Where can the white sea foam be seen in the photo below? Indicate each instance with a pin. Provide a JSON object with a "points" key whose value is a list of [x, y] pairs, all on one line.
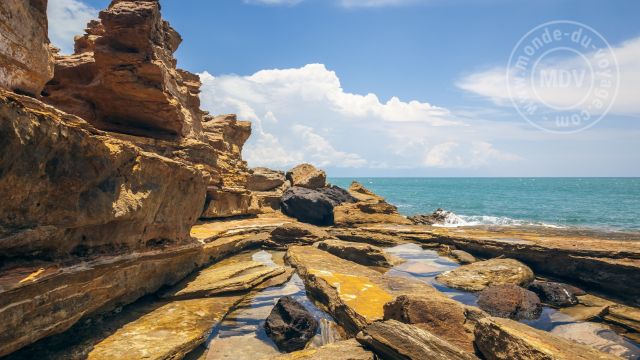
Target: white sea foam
{"points": [[454, 220]]}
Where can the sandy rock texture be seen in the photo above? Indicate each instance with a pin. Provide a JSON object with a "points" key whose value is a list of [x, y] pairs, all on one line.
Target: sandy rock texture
{"points": [[26, 59]]}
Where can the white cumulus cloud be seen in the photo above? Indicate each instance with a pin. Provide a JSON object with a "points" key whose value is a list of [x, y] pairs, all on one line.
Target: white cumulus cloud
{"points": [[492, 83], [304, 114], [68, 18]]}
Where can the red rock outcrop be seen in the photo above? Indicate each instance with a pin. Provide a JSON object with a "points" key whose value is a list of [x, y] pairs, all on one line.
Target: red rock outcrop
{"points": [[26, 62], [123, 77]]}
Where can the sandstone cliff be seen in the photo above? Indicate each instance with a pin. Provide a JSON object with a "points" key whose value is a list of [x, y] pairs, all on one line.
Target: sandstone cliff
{"points": [[26, 62], [103, 183]]}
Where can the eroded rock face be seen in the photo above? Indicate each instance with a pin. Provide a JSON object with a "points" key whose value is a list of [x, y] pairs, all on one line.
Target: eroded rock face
{"points": [[394, 340], [314, 206], [462, 257], [123, 75], [479, 275], [363, 254], [26, 60], [442, 317], [369, 208], [556, 294], [498, 338], [510, 301], [72, 190], [307, 176], [290, 325]]}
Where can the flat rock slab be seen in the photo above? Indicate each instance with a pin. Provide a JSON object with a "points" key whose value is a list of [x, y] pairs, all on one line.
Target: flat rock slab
{"points": [[168, 331], [224, 279], [341, 350], [479, 275], [395, 340], [498, 338], [353, 294], [360, 253]]}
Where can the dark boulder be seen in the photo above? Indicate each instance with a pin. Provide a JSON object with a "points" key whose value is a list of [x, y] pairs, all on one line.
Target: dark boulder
{"points": [[510, 301], [556, 294], [314, 206], [290, 325]]}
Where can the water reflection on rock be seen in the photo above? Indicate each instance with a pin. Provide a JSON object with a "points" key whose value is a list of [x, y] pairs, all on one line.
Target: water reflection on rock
{"points": [[241, 334], [427, 264]]}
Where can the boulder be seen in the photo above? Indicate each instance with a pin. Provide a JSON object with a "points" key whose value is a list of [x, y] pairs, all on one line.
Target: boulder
{"points": [[313, 206], [479, 275], [510, 301], [363, 254], [462, 257], [297, 233], [445, 318], [26, 60], [263, 179], [498, 339], [368, 209], [394, 340], [290, 325], [438, 217], [340, 350], [214, 280], [307, 176], [556, 294]]}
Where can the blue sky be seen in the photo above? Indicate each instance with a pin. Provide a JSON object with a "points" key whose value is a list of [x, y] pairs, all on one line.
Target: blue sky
{"points": [[392, 87]]}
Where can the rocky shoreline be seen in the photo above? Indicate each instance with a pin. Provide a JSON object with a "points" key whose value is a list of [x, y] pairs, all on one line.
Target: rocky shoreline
{"points": [[132, 228]]}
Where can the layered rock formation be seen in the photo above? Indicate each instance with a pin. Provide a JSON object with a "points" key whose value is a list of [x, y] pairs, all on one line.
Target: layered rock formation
{"points": [[111, 177], [26, 60], [123, 77]]}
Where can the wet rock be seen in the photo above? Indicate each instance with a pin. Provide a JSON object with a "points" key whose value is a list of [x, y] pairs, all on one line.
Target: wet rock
{"points": [[510, 301], [556, 294], [498, 338], [438, 217], [394, 340], [290, 325], [604, 261], [313, 206], [598, 336], [263, 179], [49, 299], [479, 275], [307, 176], [353, 294], [297, 233], [583, 313], [26, 61], [368, 209], [341, 350], [224, 279], [442, 317], [625, 316], [363, 254], [462, 257]]}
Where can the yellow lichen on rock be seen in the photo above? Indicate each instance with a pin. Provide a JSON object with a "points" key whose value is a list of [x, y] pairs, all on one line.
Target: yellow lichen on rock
{"points": [[358, 292]]}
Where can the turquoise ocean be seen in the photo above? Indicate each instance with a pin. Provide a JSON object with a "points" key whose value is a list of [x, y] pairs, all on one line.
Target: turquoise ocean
{"points": [[601, 203]]}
